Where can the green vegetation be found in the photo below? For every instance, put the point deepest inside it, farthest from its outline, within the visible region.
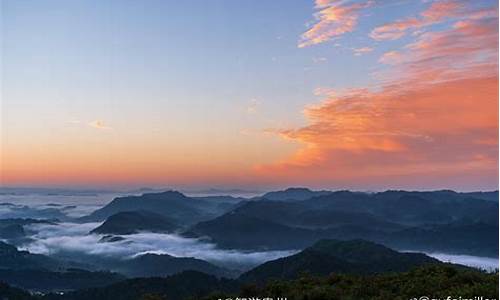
(334, 256)
(438, 281)
(176, 287)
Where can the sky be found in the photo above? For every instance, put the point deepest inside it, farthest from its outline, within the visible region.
(338, 94)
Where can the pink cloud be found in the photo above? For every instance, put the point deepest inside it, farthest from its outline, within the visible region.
(333, 19)
(437, 12)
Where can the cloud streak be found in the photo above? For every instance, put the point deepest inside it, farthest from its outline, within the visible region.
(362, 51)
(253, 107)
(333, 19)
(437, 12)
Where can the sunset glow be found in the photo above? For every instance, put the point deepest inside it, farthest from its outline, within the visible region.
(364, 95)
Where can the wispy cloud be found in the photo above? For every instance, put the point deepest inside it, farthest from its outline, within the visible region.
(98, 124)
(318, 60)
(333, 19)
(253, 106)
(74, 121)
(361, 51)
(324, 92)
(437, 12)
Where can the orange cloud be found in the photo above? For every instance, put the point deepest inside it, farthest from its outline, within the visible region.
(334, 18)
(433, 120)
(444, 130)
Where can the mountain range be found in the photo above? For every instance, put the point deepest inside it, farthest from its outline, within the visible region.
(174, 205)
(334, 256)
(339, 232)
(325, 258)
(437, 221)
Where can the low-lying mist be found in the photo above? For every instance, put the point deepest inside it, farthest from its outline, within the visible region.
(46, 206)
(73, 240)
(486, 263)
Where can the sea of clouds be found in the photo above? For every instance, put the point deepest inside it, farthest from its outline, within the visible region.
(50, 206)
(71, 239)
(74, 239)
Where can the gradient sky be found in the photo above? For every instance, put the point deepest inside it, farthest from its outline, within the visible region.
(365, 95)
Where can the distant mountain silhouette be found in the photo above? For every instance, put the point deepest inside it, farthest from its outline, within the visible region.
(237, 231)
(481, 239)
(176, 206)
(13, 231)
(13, 228)
(19, 211)
(43, 273)
(26, 221)
(293, 194)
(299, 214)
(11, 258)
(129, 222)
(410, 208)
(334, 256)
(407, 220)
(490, 196)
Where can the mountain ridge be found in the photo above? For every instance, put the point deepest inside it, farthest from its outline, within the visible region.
(335, 256)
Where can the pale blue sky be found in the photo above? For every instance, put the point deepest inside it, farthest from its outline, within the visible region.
(178, 78)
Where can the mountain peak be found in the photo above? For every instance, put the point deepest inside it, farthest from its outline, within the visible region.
(168, 193)
(293, 194)
(337, 256)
